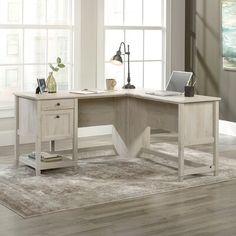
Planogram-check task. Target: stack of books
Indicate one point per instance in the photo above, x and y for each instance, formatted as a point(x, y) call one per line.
point(47, 157)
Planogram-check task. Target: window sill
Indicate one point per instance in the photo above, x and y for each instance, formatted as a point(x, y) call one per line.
point(6, 112)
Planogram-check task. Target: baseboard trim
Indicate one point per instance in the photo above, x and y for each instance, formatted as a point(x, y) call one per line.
point(7, 137)
point(94, 131)
point(7, 112)
point(227, 127)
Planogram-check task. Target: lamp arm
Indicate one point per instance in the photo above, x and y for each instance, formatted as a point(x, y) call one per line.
point(127, 53)
point(122, 43)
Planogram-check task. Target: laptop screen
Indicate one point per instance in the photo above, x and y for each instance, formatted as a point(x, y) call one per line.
point(178, 80)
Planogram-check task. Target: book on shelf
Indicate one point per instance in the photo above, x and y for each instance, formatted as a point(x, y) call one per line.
point(47, 157)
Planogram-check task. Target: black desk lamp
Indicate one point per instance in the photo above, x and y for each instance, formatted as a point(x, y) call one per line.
point(117, 60)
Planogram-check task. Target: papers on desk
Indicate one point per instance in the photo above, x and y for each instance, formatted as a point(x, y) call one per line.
point(164, 93)
point(86, 91)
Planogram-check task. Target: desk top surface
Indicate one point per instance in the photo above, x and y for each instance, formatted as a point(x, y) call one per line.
point(180, 99)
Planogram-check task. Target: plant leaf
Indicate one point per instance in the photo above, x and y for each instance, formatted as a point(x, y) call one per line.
point(61, 65)
point(52, 67)
point(56, 69)
point(58, 60)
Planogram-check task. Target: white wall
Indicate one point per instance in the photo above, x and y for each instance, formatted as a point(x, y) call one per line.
point(89, 46)
point(177, 29)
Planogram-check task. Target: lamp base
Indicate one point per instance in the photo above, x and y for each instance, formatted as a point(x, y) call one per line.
point(128, 86)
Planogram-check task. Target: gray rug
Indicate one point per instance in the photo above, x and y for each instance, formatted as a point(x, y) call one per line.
point(103, 178)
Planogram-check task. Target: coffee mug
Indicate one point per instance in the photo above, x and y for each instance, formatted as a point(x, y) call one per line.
point(111, 83)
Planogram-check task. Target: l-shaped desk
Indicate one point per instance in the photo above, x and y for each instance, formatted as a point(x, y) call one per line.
point(50, 117)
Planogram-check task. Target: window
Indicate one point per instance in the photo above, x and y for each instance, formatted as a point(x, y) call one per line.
point(34, 33)
point(141, 24)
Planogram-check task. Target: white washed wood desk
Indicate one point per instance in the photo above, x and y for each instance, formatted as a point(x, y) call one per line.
point(132, 114)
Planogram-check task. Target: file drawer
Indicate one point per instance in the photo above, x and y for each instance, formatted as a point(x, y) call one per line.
point(57, 124)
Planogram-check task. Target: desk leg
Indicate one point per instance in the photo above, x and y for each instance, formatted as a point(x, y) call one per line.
point(75, 132)
point(52, 146)
point(131, 132)
point(38, 141)
point(181, 143)
point(216, 137)
point(17, 137)
point(38, 157)
point(132, 146)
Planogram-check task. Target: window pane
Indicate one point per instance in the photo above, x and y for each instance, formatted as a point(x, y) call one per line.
point(146, 45)
point(136, 74)
point(152, 12)
point(10, 11)
point(31, 73)
point(59, 42)
point(153, 45)
point(34, 12)
point(153, 75)
point(10, 77)
point(115, 72)
point(113, 12)
point(10, 46)
point(133, 12)
point(63, 77)
point(113, 38)
point(58, 12)
point(35, 46)
point(135, 39)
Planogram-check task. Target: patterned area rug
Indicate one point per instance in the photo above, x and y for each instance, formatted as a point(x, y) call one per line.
point(103, 178)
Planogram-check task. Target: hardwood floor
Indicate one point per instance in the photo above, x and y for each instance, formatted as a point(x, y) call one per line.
point(202, 211)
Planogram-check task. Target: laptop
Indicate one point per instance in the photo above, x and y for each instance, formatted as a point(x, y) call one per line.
point(175, 86)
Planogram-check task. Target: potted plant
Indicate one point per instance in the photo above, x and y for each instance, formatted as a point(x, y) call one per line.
point(51, 82)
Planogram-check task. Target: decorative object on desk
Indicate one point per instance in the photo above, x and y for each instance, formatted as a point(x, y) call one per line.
point(117, 60)
point(37, 91)
point(41, 86)
point(51, 82)
point(110, 83)
point(189, 89)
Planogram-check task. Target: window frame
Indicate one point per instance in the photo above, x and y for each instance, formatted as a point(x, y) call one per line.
point(74, 24)
point(166, 49)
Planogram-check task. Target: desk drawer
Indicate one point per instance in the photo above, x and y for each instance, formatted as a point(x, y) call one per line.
point(57, 124)
point(58, 104)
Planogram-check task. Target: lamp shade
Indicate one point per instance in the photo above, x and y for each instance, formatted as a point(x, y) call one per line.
point(117, 59)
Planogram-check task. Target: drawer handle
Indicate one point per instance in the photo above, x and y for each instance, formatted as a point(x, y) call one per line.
point(58, 104)
point(57, 117)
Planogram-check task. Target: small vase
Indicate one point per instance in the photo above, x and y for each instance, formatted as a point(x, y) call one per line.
point(51, 83)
